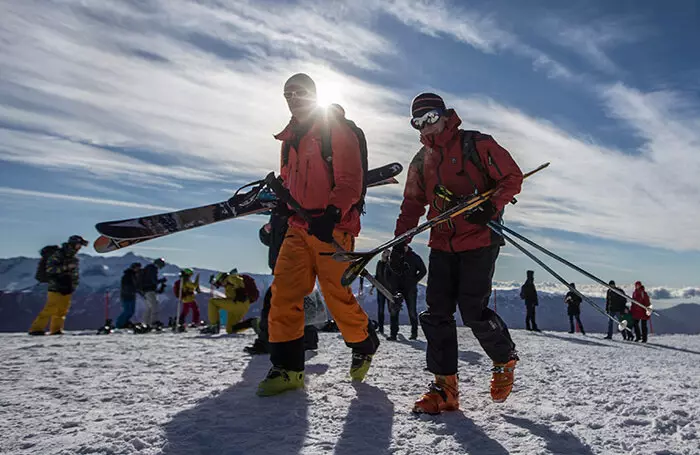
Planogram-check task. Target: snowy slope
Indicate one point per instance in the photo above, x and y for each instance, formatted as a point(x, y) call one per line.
point(187, 394)
point(100, 278)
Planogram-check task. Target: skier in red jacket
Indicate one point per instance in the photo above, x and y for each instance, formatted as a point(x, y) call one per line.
point(463, 251)
point(638, 313)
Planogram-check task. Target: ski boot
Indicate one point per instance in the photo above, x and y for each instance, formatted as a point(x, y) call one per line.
point(258, 347)
point(37, 333)
point(442, 395)
point(279, 380)
point(210, 330)
point(359, 366)
point(502, 380)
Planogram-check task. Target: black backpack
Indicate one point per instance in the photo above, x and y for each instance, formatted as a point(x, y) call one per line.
point(327, 151)
point(41, 274)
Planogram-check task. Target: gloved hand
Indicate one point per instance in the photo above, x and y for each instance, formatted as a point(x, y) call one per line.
point(240, 295)
point(483, 214)
point(397, 258)
point(628, 305)
point(322, 227)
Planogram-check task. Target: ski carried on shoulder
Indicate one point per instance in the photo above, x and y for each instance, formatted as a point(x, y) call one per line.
point(123, 233)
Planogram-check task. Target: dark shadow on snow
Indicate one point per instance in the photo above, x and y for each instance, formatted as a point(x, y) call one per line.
point(469, 357)
point(673, 348)
point(226, 423)
point(368, 423)
point(583, 341)
point(469, 435)
point(555, 442)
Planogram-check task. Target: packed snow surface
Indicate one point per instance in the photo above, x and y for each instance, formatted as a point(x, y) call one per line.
point(191, 394)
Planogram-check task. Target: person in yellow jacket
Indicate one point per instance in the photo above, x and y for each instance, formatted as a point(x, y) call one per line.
point(189, 289)
point(61, 272)
point(236, 304)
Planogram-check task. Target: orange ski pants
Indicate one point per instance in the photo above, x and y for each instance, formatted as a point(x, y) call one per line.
point(298, 265)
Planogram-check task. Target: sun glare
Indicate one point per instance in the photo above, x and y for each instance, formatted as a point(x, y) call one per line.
point(329, 93)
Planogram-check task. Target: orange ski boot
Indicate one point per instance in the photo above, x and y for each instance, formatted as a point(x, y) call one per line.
point(502, 380)
point(442, 395)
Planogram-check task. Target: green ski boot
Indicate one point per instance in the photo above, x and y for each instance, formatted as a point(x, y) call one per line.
point(279, 380)
point(359, 366)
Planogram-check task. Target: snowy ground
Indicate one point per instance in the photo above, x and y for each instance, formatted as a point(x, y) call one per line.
point(189, 394)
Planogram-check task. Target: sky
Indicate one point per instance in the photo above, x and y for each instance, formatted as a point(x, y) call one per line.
point(116, 109)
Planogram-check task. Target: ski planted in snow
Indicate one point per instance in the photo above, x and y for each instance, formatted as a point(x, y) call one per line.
point(123, 233)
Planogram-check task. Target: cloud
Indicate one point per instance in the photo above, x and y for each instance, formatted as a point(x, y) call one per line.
point(85, 199)
point(481, 31)
point(594, 39)
point(132, 89)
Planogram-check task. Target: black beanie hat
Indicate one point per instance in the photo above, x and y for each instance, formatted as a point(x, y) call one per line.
point(426, 102)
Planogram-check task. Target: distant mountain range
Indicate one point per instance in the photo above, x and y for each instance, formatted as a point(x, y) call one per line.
point(21, 299)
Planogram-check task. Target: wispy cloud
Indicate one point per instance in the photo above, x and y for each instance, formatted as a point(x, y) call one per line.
point(86, 199)
point(481, 31)
point(593, 40)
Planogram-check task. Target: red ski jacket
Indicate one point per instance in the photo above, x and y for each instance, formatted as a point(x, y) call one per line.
point(307, 175)
point(641, 296)
point(443, 162)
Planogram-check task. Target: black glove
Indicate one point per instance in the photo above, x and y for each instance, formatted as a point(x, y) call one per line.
point(322, 226)
point(483, 214)
point(397, 258)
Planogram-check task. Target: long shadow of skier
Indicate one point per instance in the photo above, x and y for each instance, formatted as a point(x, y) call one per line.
point(238, 422)
point(556, 442)
point(368, 423)
point(469, 357)
point(673, 348)
point(470, 436)
point(576, 340)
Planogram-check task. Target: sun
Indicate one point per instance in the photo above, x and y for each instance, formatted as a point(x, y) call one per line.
point(328, 93)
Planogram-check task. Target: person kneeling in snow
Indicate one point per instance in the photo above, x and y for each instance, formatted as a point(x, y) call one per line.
point(236, 304)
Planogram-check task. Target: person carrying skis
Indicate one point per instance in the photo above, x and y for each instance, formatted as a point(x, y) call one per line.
point(615, 307)
point(150, 285)
point(63, 275)
point(528, 292)
point(127, 294)
point(329, 190)
point(189, 300)
point(463, 251)
point(236, 304)
point(638, 313)
point(272, 235)
point(573, 310)
point(412, 271)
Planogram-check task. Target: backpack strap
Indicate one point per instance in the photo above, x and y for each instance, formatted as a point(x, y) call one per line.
point(326, 147)
point(470, 153)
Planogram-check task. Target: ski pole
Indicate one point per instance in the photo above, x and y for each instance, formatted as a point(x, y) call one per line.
point(176, 322)
point(285, 197)
point(359, 259)
point(496, 227)
point(648, 309)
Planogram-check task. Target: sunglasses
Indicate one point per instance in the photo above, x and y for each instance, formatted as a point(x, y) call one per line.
point(429, 118)
point(296, 94)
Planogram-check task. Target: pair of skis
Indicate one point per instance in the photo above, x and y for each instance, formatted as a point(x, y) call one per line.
point(123, 233)
point(358, 260)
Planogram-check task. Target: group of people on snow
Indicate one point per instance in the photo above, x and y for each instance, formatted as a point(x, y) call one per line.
point(616, 305)
point(323, 165)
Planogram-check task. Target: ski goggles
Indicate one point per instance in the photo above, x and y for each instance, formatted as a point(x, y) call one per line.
point(303, 94)
point(429, 118)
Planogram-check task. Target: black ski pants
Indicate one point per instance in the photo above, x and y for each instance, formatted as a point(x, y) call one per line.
point(572, 327)
point(381, 304)
point(530, 323)
point(462, 279)
point(643, 335)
